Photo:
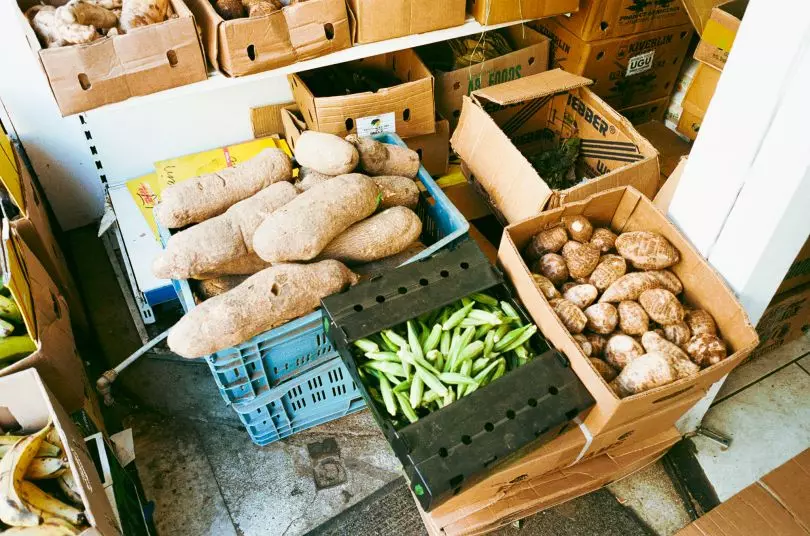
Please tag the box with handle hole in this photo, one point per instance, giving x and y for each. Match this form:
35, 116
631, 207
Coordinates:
449, 449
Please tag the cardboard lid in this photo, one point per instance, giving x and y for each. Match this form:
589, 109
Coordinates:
532, 87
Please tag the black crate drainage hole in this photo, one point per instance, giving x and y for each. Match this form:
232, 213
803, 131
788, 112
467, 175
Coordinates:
443, 452
402, 290
510, 414
444, 273
467, 440
464, 265
553, 391
489, 426
380, 299
358, 307
424, 282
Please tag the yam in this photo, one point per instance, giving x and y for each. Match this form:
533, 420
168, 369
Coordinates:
299, 230
245, 265
325, 153
609, 269
569, 247
389, 263
705, 349
545, 286
548, 241
219, 285
263, 301
378, 158
633, 320
230, 9
581, 295
602, 318
552, 266
647, 250
598, 343
644, 373
578, 227
606, 371
375, 238
397, 191
628, 287
603, 239
584, 344
662, 306
581, 259
667, 280
307, 178
137, 13
199, 198
208, 247
622, 349
677, 333
571, 316
700, 322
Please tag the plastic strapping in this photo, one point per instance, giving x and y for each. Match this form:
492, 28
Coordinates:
588, 440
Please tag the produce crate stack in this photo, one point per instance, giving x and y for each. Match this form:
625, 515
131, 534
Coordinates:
632, 50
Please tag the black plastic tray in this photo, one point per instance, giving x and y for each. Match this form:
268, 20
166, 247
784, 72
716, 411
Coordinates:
449, 449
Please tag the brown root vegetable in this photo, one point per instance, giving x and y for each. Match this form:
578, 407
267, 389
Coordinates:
700, 322
209, 288
578, 227
662, 306
307, 178
606, 371
54, 32
603, 239
633, 320
375, 238
569, 247
628, 287
584, 344
545, 286
199, 198
230, 9
397, 191
653, 342
647, 372
598, 343
326, 153
647, 250
677, 333
263, 301
581, 259
212, 245
609, 269
602, 318
552, 266
571, 316
384, 159
581, 295
706, 350
622, 349
389, 263
88, 14
684, 368
548, 241
667, 280
568, 285
258, 8
137, 13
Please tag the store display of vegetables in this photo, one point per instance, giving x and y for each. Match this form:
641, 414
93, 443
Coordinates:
251, 228
38, 494
15, 343
237, 9
619, 301
431, 361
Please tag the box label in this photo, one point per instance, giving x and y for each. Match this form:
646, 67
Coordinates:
376, 124
641, 63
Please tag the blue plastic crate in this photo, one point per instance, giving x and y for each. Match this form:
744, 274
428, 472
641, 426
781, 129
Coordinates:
253, 369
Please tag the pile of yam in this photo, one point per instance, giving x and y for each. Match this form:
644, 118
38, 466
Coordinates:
617, 297
265, 248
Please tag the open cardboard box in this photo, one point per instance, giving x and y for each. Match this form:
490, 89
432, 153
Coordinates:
377, 20
625, 209
603, 19
499, 11
719, 33
646, 112
297, 32
501, 124
697, 99
112, 69
27, 402
406, 108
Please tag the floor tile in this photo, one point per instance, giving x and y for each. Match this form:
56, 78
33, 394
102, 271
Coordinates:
805, 363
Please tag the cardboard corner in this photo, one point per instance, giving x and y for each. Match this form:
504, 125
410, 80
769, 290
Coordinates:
532, 87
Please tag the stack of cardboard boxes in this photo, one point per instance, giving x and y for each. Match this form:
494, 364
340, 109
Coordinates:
631, 49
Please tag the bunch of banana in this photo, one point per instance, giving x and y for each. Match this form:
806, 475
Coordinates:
15, 343
25, 507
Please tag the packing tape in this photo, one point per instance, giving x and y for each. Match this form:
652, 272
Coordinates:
588, 440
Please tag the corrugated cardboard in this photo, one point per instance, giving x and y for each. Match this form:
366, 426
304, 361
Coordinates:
778, 504
671, 147
500, 11
142, 61
433, 149
626, 71
664, 196
603, 19
501, 124
644, 113
786, 319
699, 11
411, 102
377, 20
26, 401
719, 33
530, 56
799, 272
626, 209
300, 31
697, 100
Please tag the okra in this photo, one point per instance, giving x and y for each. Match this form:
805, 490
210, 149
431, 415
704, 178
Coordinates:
402, 386
415, 360
510, 311
465, 339
499, 371
469, 353
509, 338
432, 355
395, 338
456, 318
388, 396
430, 396
466, 367
484, 299
431, 381
466, 301
413, 340
433, 339
444, 345
449, 398
455, 378
367, 345
395, 369
417, 389
487, 317
480, 364
489, 343
440, 362
387, 343
473, 322
482, 331
481, 376
383, 356
501, 332
407, 410
524, 336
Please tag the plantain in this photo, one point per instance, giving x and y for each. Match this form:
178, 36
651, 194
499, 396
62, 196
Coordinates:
15, 347
51, 527
68, 486
9, 310
46, 449
13, 466
46, 468
43, 504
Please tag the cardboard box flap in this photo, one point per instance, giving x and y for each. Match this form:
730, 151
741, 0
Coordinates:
532, 87
790, 486
15, 278
700, 11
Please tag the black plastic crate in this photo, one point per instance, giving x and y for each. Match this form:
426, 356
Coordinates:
449, 449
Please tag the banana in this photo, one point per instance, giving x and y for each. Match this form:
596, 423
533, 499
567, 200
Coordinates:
42, 503
45, 468
13, 467
53, 438
49, 528
46, 449
70, 489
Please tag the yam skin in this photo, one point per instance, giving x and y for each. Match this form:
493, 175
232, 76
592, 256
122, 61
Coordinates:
326, 153
706, 350
644, 373
545, 286
581, 259
667, 280
136, 13
208, 247
584, 344
230, 9
602, 318
397, 191
299, 230
307, 178
245, 265
548, 241
678, 333
378, 158
389, 263
633, 319
606, 371
700, 322
628, 287
263, 301
219, 285
604, 239
571, 316
622, 349
568, 285
662, 306
609, 269
578, 227
647, 250
375, 238
199, 198
581, 295
552, 266
598, 343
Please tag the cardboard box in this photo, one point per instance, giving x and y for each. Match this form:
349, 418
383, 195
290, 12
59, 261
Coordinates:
142, 61
298, 32
799, 272
501, 124
523, 497
433, 149
603, 19
778, 503
644, 113
27, 402
406, 108
377, 20
626, 209
626, 71
499, 11
671, 147
697, 100
530, 56
786, 319
719, 33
